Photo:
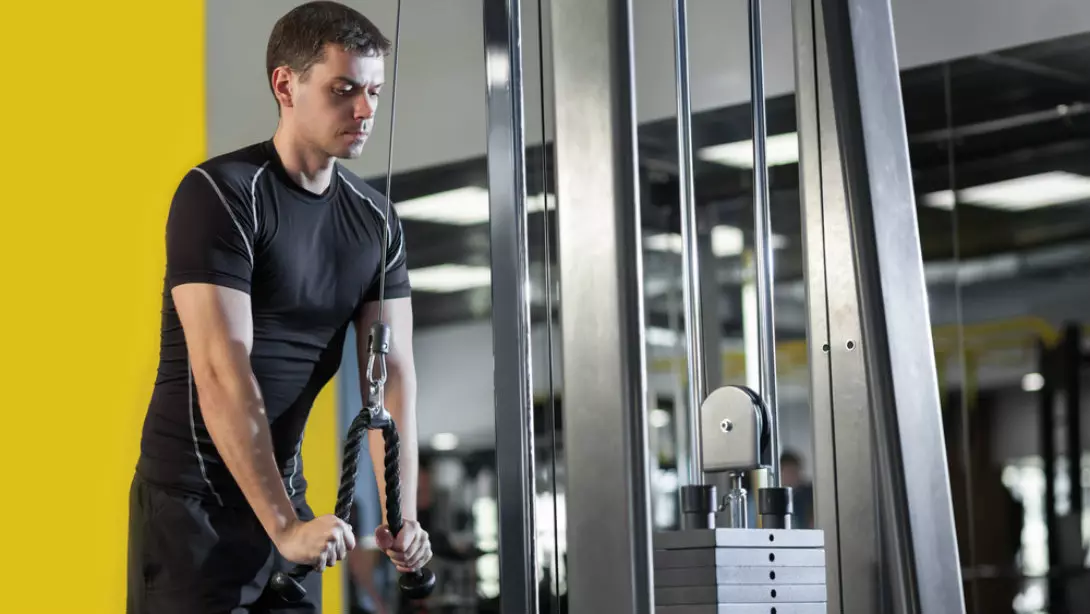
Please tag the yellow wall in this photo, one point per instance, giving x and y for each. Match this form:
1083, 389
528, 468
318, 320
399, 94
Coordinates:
322, 465
103, 110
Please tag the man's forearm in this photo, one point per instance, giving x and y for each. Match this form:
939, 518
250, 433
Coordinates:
401, 403
234, 413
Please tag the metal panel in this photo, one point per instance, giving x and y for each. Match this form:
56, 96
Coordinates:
865, 159
824, 288
510, 306
739, 538
602, 320
852, 430
747, 608
768, 574
739, 594
744, 557
813, 235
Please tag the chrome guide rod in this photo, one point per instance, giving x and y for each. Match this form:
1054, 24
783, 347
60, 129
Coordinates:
511, 340
766, 340
690, 268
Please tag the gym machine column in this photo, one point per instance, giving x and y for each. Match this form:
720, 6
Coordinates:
702, 568
601, 308
882, 489
510, 305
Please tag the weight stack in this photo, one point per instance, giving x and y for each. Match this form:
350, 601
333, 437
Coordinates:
740, 571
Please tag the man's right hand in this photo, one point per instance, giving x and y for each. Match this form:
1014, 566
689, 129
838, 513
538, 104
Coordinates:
320, 542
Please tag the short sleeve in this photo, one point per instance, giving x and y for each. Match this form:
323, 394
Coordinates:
397, 264
209, 235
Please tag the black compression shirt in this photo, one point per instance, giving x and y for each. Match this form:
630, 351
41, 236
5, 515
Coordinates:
309, 262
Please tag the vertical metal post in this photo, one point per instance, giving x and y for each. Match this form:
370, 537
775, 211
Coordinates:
690, 259
510, 306
923, 560
820, 297
881, 463
1073, 398
762, 230
844, 487
1046, 399
602, 313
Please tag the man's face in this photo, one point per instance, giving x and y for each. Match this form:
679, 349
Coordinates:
334, 106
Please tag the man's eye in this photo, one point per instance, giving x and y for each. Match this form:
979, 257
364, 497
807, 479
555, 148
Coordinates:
342, 91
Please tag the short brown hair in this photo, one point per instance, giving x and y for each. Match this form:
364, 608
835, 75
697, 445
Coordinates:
299, 38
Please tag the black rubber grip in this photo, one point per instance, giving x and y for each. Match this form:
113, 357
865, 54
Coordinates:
416, 585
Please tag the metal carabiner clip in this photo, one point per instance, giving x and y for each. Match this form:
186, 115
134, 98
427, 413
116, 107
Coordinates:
378, 348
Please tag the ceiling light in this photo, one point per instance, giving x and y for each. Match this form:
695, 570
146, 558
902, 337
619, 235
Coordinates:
940, 200
659, 418
1020, 194
726, 241
462, 206
781, 149
449, 277
661, 336
1032, 382
444, 442
666, 242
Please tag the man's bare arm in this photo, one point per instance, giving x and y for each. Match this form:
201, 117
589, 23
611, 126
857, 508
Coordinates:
400, 392
218, 329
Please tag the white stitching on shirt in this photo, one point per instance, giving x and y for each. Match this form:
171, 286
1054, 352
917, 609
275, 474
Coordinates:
245, 241
391, 262
294, 467
193, 430
253, 194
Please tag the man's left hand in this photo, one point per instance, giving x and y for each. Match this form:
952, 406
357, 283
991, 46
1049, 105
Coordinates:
410, 550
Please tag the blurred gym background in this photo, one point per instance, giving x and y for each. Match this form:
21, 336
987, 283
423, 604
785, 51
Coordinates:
108, 103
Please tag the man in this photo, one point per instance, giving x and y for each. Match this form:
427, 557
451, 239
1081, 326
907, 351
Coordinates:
272, 251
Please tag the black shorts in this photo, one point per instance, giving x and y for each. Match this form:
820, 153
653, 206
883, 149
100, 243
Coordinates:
190, 556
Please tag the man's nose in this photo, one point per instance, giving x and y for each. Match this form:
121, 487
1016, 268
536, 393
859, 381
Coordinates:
364, 108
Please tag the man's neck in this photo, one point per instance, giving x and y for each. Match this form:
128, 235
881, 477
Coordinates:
309, 168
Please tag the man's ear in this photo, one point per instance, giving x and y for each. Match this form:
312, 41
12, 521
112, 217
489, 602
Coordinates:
282, 85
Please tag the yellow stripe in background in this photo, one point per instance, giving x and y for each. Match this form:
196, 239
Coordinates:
321, 464
103, 113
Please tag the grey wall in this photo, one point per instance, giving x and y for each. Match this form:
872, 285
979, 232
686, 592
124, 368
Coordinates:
441, 104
